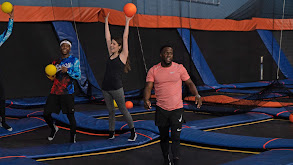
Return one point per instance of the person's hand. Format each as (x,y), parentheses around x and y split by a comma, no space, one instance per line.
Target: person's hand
(11,14)
(64,69)
(198,101)
(128,18)
(51,77)
(147,104)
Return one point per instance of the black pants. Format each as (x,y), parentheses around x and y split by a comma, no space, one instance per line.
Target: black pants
(166,120)
(56,103)
(49,120)
(2,110)
(175,137)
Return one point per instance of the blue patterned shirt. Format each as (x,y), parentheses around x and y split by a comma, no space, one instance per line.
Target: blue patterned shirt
(63,83)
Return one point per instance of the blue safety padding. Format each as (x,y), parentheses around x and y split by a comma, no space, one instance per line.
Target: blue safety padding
(250,84)
(105,112)
(227,120)
(242,85)
(235,85)
(238,91)
(133,93)
(21,125)
(273,157)
(289,86)
(65,30)
(280,143)
(197,57)
(88,122)
(274,48)
(5,152)
(207,108)
(26,102)
(83,146)
(277,112)
(19,160)
(211,87)
(268,96)
(288,81)
(205,88)
(37,102)
(235,141)
(21,113)
(210,109)
(41,101)
(84,120)
(147,125)
(137,93)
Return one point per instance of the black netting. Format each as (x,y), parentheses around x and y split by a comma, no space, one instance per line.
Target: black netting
(274,95)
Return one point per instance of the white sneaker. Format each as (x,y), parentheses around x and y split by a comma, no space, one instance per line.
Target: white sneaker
(6,126)
(111,135)
(132,138)
(53,133)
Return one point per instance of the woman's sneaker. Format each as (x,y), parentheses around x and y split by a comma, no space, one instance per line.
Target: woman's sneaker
(111,135)
(133,135)
(6,126)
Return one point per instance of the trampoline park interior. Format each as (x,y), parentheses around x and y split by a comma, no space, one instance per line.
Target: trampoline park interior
(238,53)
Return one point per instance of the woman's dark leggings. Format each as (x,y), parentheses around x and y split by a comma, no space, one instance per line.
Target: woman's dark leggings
(118,96)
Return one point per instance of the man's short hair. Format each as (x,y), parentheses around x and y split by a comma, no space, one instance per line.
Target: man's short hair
(165,46)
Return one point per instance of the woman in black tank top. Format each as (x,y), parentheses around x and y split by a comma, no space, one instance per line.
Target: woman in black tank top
(112,86)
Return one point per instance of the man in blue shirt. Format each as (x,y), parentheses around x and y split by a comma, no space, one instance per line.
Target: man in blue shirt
(3,37)
(61,96)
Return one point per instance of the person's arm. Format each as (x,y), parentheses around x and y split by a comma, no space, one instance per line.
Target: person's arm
(108,34)
(5,35)
(194,91)
(74,72)
(124,53)
(147,95)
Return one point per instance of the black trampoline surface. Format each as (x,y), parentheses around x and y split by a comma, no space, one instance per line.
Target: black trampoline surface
(149,153)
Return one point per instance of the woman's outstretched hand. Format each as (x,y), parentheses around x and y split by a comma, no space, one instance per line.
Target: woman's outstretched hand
(128,18)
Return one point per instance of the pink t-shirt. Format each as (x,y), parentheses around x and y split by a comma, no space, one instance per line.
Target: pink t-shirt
(168,85)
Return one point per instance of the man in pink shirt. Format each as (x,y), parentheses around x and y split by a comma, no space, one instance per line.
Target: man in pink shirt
(166,78)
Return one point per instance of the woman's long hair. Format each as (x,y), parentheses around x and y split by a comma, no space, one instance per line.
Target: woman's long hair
(127,67)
